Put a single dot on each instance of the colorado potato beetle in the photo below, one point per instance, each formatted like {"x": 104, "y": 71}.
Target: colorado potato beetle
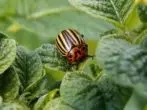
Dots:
{"x": 71, "y": 45}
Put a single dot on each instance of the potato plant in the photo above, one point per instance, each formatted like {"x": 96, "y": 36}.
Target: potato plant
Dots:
{"x": 35, "y": 76}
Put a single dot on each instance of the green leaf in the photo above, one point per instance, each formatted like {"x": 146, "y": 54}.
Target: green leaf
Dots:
{"x": 83, "y": 92}
{"x": 13, "y": 106}
{"x": 110, "y": 10}
{"x": 43, "y": 100}
{"x": 108, "y": 46}
{"x": 125, "y": 63}
{"x": 7, "y": 53}
{"x": 41, "y": 87}
{"x": 77, "y": 89}
{"x": 92, "y": 44}
{"x": 128, "y": 67}
{"x": 133, "y": 20}
{"x": 35, "y": 81}
{"x": 36, "y": 90}
{"x": 142, "y": 10}
{"x": 137, "y": 101}
{"x": 48, "y": 54}
{"x": 58, "y": 104}
{"x": 9, "y": 85}
{"x": 29, "y": 67}
{"x": 51, "y": 80}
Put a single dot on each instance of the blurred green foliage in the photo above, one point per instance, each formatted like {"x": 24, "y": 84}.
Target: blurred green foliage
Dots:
{"x": 33, "y": 22}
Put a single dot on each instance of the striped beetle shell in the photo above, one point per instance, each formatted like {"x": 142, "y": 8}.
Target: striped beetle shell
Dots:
{"x": 71, "y": 44}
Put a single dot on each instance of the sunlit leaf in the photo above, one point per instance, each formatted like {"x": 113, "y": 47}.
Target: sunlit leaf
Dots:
{"x": 110, "y": 10}
{"x": 7, "y": 53}
{"x": 83, "y": 92}
{"x": 58, "y": 104}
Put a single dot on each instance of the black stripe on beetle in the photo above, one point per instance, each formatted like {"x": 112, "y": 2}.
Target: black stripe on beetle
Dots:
{"x": 67, "y": 39}
{"x": 75, "y": 36}
{"x": 70, "y": 38}
{"x": 60, "y": 45}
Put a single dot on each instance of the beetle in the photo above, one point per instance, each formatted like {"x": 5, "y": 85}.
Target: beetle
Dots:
{"x": 70, "y": 44}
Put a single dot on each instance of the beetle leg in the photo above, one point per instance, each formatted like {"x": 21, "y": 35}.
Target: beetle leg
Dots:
{"x": 92, "y": 56}
{"x": 77, "y": 66}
